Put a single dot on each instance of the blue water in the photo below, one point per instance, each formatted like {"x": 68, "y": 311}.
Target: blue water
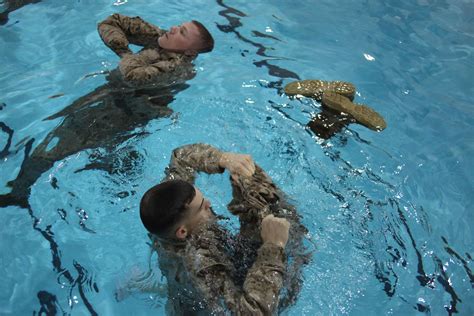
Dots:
{"x": 390, "y": 213}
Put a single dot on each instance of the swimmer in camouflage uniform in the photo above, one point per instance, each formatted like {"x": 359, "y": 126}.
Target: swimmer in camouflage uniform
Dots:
{"x": 135, "y": 93}
{"x": 201, "y": 259}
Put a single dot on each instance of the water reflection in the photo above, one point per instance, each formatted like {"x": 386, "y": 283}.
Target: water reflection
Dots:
{"x": 104, "y": 118}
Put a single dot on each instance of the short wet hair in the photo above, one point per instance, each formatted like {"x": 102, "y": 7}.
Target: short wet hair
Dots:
{"x": 164, "y": 205}
{"x": 206, "y": 37}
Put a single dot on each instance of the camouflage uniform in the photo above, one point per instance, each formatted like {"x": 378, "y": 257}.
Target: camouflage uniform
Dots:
{"x": 118, "y": 31}
{"x": 202, "y": 271}
{"x": 114, "y": 110}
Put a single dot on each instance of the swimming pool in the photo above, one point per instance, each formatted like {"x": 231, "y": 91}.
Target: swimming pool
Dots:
{"x": 389, "y": 212}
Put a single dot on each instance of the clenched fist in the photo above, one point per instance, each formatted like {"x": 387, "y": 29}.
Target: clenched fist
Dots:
{"x": 237, "y": 164}
{"x": 275, "y": 230}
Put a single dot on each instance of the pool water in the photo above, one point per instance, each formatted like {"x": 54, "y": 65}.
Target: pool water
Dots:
{"x": 390, "y": 213}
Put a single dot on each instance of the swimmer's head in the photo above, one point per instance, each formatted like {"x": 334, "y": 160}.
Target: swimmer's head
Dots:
{"x": 174, "y": 209}
{"x": 190, "y": 38}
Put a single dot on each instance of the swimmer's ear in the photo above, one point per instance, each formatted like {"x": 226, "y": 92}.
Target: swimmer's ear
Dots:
{"x": 181, "y": 232}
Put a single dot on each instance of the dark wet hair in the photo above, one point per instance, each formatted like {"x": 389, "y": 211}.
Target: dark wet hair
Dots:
{"x": 164, "y": 205}
{"x": 206, "y": 37}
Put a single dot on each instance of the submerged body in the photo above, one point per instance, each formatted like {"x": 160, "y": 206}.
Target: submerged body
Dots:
{"x": 108, "y": 115}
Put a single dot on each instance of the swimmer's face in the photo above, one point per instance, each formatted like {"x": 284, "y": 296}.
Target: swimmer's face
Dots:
{"x": 199, "y": 212}
{"x": 184, "y": 38}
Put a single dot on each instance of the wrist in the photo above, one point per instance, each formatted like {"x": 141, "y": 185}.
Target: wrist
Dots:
{"x": 271, "y": 253}
{"x": 279, "y": 244}
{"x": 125, "y": 52}
{"x": 222, "y": 162}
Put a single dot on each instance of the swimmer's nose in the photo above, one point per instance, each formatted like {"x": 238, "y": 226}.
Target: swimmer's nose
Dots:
{"x": 173, "y": 29}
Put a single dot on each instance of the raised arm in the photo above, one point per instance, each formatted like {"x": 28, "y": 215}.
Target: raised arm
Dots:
{"x": 117, "y": 31}
{"x": 254, "y": 193}
{"x": 262, "y": 285}
{"x": 254, "y": 197}
{"x": 187, "y": 160}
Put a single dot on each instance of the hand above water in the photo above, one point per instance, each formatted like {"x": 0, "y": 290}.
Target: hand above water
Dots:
{"x": 237, "y": 164}
{"x": 275, "y": 230}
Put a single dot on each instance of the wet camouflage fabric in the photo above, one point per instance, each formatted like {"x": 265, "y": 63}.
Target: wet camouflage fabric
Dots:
{"x": 361, "y": 113}
{"x": 203, "y": 271}
{"x": 316, "y": 88}
{"x": 112, "y": 113}
{"x": 118, "y": 31}
{"x": 338, "y": 110}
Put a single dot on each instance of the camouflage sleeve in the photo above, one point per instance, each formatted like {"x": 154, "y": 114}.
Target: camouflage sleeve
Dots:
{"x": 187, "y": 160}
{"x": 260, "y": 292}
{"x": 117, "y": 31}
{"x": 253, "y": 197}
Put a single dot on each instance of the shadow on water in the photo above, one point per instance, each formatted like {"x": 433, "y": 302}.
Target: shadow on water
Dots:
{"x": 104, "y": 118}
{"x": 109, "y": 115}
{"x": 233, "y": 16}
{"x": 6, "y": 150}
{"x": 399, "y": 240}
{"x": 324, "y": 124}
{"x": 82, "y": 281}
{"x": 12, "y": 5}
